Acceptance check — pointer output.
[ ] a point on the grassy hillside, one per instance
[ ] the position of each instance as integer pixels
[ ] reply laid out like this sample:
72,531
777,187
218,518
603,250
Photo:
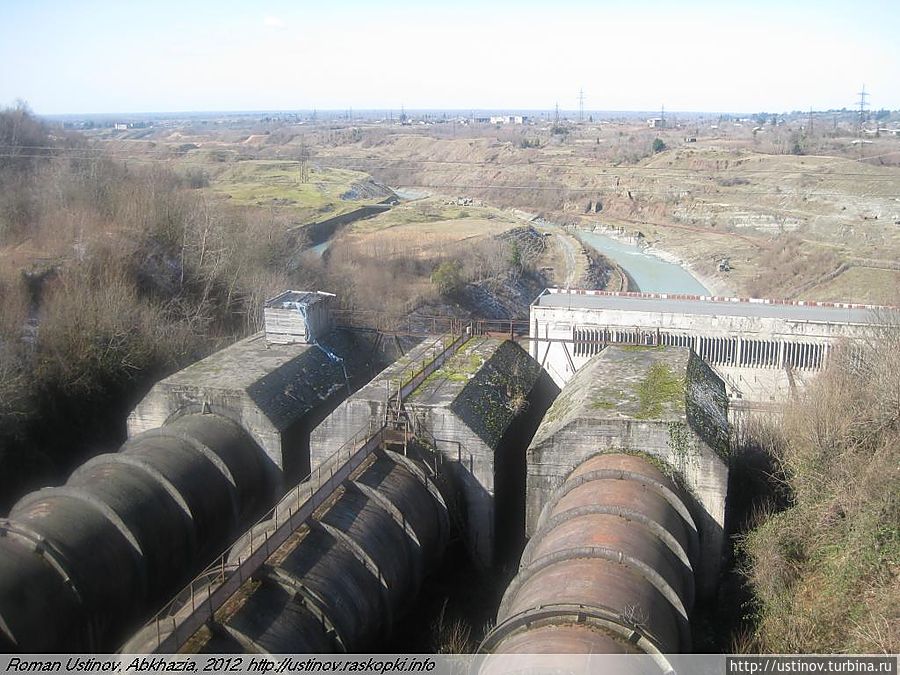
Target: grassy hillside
114,273
825,572
809,225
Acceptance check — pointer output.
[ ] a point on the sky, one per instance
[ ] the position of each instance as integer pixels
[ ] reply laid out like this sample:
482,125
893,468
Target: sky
82,56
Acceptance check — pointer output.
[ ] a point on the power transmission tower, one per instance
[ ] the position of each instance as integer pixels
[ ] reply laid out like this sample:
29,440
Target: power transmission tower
662,116
581,105
556,119
863,114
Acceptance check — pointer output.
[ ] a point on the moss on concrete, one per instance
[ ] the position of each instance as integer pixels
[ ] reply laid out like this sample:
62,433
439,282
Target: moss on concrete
660,389
460,367
706,406
497,392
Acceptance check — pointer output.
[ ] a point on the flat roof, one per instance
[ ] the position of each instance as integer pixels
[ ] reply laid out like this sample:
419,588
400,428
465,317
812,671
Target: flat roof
239,365
714,306
302,297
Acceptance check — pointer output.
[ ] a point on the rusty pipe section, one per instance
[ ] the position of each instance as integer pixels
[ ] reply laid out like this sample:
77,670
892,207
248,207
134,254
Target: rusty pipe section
344,576
80,563
610,568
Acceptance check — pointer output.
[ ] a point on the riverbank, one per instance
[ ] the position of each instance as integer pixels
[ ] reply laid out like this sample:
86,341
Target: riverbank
653,269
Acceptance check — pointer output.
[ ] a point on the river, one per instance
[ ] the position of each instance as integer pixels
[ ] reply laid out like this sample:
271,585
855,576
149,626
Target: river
652,274
319,249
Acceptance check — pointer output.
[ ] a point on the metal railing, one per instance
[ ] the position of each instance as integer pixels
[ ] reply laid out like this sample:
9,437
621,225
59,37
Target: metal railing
198,602
427,324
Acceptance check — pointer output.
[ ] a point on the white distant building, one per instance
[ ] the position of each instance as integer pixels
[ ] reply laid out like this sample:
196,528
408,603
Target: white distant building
508,119
120,126
656,122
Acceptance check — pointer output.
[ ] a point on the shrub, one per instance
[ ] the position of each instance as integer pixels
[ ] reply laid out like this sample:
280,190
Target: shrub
824,571
447,277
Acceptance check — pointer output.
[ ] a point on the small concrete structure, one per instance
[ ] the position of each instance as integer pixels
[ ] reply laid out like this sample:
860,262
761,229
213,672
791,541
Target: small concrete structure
662,403
479,409
276,392
298,317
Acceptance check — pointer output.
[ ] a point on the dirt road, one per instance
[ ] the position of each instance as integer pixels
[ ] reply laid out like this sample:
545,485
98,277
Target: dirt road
571,250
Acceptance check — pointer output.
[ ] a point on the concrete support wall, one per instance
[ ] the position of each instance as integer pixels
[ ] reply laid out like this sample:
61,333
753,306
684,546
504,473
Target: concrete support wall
604,409
479,410
276,392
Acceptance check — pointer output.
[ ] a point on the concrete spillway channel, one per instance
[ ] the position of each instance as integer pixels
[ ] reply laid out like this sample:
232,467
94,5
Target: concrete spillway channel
609,570
79,561
343,576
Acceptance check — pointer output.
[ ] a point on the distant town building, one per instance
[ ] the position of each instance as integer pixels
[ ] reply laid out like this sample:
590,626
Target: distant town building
656,123
508,119
120,126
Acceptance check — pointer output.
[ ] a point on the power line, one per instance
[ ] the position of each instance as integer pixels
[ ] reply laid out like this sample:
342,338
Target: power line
363,164
557,188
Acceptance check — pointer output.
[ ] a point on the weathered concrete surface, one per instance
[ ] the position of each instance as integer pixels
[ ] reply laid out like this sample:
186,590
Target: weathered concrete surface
666,404
298,316
751,343
480,409
276,392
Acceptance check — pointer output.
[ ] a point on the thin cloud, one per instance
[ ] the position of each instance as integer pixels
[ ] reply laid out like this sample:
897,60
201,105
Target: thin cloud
274,22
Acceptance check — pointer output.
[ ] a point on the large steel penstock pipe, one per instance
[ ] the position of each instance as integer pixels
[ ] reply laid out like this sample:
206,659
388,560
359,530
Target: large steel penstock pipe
81,563
610,568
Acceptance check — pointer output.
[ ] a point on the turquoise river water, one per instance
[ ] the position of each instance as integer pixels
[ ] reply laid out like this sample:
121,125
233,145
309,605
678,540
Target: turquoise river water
652,274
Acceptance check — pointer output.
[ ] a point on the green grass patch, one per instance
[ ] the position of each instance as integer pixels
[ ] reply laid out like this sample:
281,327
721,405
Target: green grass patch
458,368
661,389
602,404
426,211
256,182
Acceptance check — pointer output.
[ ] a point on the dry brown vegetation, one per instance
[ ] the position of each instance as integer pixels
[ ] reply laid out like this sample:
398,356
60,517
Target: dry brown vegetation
113,274
733,193
825,572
